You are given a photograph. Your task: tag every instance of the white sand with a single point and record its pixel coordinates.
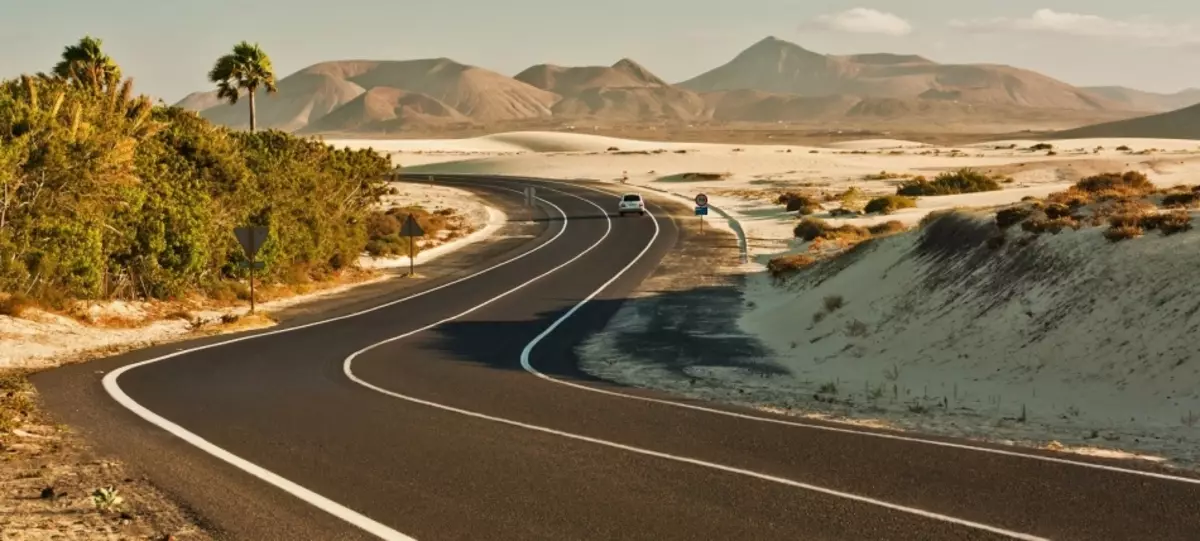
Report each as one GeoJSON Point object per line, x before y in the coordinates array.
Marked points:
{"type": "Point", "coordinates": [1095, 348]}
{"type": "Point", "coordinates": [39, 339]}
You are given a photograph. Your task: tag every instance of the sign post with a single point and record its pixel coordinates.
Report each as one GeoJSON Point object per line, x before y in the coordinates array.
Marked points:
{"type": "Point", "coordinates": [411, 229]}
{"type": "Point", "coordinates": [530, 200]}
{"type": "Point", "coordinates": [701, 209]}
{"type": "Point", "coordinates": [252, 238]}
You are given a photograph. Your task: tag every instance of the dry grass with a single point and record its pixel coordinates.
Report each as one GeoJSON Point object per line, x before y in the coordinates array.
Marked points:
{"type": "Point", "coordinates": [1042, 224]}
{"type": "Point", "coordinates": [1125, 232]}
{"type": "Point", "coordinates": [799, 203]}
{"type": "Point", "coordinates": [782, 266]}
{"type": "Point", "coordinates": [889, 204]}
{"type": "Point", "coordinates": [1105, 187]}
{"type": "Point", "coordinates": [890, 227]}
{"type": "Point", "coordinates": [885, 175]}
{"type": "Point", "coordinates": [1011, 216]}
{"type": "Point", "coordinates": [15, 305]}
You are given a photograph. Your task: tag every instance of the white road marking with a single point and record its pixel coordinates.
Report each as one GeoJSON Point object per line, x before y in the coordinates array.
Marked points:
{"type": "Point", "coordinates": [347, 368]}
{"type": "Point", "coordinates": [113, 388]}
{"type": "Point", "coordinates": [896, 437]}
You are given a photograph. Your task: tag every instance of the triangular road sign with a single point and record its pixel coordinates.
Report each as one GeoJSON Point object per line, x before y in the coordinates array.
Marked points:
{"type": "Point", "coordinates": [411, 228]}
{"type": "Point", "coordinates": [251, 238]}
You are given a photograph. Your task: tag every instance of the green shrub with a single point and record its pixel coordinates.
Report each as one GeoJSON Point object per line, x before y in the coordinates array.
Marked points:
{"type": "Point", "coordinates": [1128, 183]}
{"type": "Point", "coordinates": [950, 183]}
{"type": "Point", "coordinates": [112, 197]}
{"type": "Point", "coordinates": [889, 204]}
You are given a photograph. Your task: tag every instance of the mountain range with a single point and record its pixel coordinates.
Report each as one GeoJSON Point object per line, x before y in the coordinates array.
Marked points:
{"type": "Point", "coordinates": [770, 82]}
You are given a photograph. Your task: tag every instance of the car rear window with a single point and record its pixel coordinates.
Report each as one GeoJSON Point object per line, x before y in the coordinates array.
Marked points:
{"type": "Point", "coordinates": [632, 198]}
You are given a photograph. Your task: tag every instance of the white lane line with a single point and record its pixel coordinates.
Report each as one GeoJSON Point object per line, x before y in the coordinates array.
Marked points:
{"type": "Point", "coordinates": [910, 439]}
{"type": "Point", "coordinates": [113, 388]}
{"type": "Point", "coordinates": [347, 368]}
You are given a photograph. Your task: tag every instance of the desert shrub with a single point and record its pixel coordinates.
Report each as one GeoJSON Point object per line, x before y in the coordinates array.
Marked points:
{"type": "Point", "coordinates": [1125, 232]}
{"type": "Point", "coordinates": [852, 198]}
{"type": "Point", "coordinates": [887, 228]}
{"type": "Point", "coordinates": [1039, 224]}
{"type": "Point", "coordinates": [1182, 199]}
{"type": "Point", "coordinates": [1169, 223]}
{"type": "Point", "coordinates": [950, 183]}
{"type": "Point", "coordinates": [997, 241]}
{"type": "Point", "coordinates": [834, 302]}
{"type": "Point", "coordinates": [381, 224]}
{"type": "Point", "coordinates": [1011, 216]}
{"type": "Point", "coordinates": [850, 233]}
{"type": "Point", "coordinates": [1042, 146]}
{"type": "Point", "coordinates": [780, 267]}
{"type": "Point", "coordinates": [15, 305]}
{"type": "Point", "coordinates": [839, 212]}
{"type": "Point", "coordinates": [1124, 148]}
{"type": "Point", "coordinates": [1128, 183]}
{"type": "Point", "coordinates": [1126, 220]}
{"type": "Point", "coordinates": [799, 203]}
{"type": "Point", "coordinates": [810, 229]}
{"type": "Point", "coordinates": [889, 204]}
{"type": "Point", "coordinates": [1055, 211]}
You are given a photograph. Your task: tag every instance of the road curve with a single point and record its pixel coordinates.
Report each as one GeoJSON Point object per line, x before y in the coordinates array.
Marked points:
{"type": "Point", "coordinates": [457, 411]}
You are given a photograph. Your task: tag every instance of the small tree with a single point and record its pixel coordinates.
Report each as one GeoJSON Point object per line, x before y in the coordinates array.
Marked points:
{"type": "Point", "coordinates": [247, 68]}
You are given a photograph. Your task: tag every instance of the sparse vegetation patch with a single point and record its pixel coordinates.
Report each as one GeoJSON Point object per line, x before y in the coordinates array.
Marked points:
{"type": "Point", "coordinates": [950, 183]}
{"type": "Point", "coordinates": [889, 204]}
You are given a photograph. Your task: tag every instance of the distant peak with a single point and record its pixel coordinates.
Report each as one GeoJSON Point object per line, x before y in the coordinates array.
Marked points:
{"type": "Point", "coordinates": [638, 71]}
{"type": "Point", "coordinates": [772, 44]}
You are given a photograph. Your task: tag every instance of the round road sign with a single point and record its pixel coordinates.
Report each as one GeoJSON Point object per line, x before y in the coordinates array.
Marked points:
{"type": "Point", "coordinates": [701, 200]}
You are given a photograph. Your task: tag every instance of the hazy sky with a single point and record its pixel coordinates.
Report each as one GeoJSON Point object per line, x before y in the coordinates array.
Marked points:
{"type": "Point", "coordinates": [168, 45]}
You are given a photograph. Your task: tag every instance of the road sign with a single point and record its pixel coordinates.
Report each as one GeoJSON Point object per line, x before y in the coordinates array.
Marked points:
{"type": "Point", "coordinates": [411, 228]}
{"type": "Point", "coordinates": [251, 238]}
{"type": "Point", "coordinates": [701, 211]}
{"type": "Point", "coordinates": [701, 200]}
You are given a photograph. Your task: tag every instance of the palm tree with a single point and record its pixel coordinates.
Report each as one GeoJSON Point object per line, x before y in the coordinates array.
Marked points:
{"type": "Point", "coordinates": [86, 64]}
{"type": "Point", "coordinates": [247, 68]}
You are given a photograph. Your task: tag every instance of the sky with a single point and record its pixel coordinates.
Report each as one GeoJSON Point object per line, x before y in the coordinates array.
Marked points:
{"type": "Point", "coordinates": [167, 46]}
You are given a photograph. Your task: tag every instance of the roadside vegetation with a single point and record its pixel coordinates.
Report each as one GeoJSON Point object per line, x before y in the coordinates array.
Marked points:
{"type": "Point", "coordinates": [950, 183]}
{"type": "Point", "coordinates": [106, 196]}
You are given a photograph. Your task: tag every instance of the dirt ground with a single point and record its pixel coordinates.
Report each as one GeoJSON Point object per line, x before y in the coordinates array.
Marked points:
{"type": "Point", "coordinates": [49, 478]}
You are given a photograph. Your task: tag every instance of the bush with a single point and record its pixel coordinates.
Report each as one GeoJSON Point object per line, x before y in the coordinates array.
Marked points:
{"type": "Point", "coordinates": [1055, 211]}
{"type": "Point", "coordinates": [15, 305]}
{"type": "Point", "coordinates": [1042, 146]}
{"type": "Point", "coordinates": [851, 199]}
{"type": "Point", "coordinates": [834, 302]}
{"type": "Point", "coordinates": [799, 203]}
{"type": "Point", "coordinates": [810, 229]}
{"type": "Point", "coordinates": [1168, 223]}
{"type": "Point", "coordinates": [145, 199]}
{"type": "Point", "coordinates": [887, 228]}
{"type": "Point", "coordinates": [889, 204]}
{"type": "Point", "coordinates": [1011, 216]}
{"type": "Point", "coordinates": [1128, 183]}
{"type": "Point", "coordinates": [1184, 199]}
{"type": "Point", "coordinates": [950, 183]}
{"type": "Point", "coordinates": [1117, 234]}
{"type": "Point", "coordinates": [1054, 226]}
{"type": "Point", "coordinates": [780, 267]}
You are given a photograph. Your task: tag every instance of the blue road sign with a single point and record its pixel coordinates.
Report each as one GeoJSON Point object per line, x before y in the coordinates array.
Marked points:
{"type": "Point", "coordinates": [701, 211]}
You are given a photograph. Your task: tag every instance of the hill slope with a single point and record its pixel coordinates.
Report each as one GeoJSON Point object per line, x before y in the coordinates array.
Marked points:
{"type": "Point", "coordinates": [384, 109]}
{"type": "Point", "coordinates": [777, 66]}
{"type": "Point", "coordinates": [312, 93]}
{"type": "Point", "coordinates": [625, 91]}
{"type": "Point", "coordinates": [1179, 124]}
{"type": "Point", "coordinates": [1140, 100]}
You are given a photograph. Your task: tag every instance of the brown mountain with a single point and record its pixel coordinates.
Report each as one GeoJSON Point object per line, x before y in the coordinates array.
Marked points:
{"type": "Point", "coordinates": [779, 67]}
{"type": "Point", "coordinates": [624, 91]}
{"type": "Point", "coordinates": [308, 95]}
{"type": "Point", "coordinates": [384, 109]}
{"type": "Point", "coordinates": [1140, 100]}
{"type": "Point", "coordinates": [1180, 124]}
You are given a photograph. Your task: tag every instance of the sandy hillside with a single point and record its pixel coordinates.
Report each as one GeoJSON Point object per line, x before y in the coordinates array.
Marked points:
{"type": "Point", "coordinates": [625, 91]}
{"type": "Point", "coordinates": [1089, 336]}
{"type": "Point", "coordinates": [308, 95]}
{"type": "Point", "coordinates": [777, 66]}
{"type": "Point", "coordinates": [1151, 102]}
{"type": "Point", "coordinates": [385, 109]}
{"type": "Point", "coordinates": [1179, 124]}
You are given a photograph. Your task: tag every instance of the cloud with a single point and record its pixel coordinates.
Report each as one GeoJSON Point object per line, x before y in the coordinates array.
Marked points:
{"type": "Point", "coordinates": [1145, 30]}
{"type": "Point", "coordinates": [862, 21]}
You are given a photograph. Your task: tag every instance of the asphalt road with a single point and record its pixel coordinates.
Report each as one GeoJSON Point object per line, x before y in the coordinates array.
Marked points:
{"type": "Point", "coordinates": [426, 418]}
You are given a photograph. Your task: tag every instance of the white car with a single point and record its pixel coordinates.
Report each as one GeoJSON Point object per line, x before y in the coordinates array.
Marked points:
{"type": "Point", "coordinates": [631, 202]}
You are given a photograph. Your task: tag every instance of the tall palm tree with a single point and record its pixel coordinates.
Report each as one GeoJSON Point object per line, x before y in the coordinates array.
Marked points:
{"type": "Point", "coordinates": [247, 68]}
{"type": "Point", "coordinates": [85, 63]}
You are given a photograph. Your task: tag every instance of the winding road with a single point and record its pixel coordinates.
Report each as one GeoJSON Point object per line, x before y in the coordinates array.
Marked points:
{"type": "Point", "coordinates": [455, 410]}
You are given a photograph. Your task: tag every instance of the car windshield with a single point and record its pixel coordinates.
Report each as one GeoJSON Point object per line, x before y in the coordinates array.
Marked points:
{"type": "Point", "coordinates": [632, 197]}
